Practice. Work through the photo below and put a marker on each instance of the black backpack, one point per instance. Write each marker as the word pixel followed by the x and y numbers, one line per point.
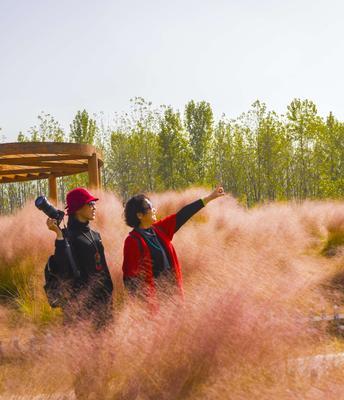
pixel 53 284
pixel 56 286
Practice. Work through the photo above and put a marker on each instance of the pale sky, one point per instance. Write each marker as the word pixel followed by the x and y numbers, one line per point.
pixel 66 55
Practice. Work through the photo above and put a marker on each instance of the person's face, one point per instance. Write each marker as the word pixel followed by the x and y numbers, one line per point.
pixel 148 217
pixel 87 212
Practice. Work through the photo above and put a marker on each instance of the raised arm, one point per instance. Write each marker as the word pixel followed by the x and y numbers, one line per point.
pixel 173 222
pixel 185 213
pixel 60 266
pixel 188 211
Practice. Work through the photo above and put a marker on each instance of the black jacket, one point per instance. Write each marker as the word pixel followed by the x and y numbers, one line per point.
pixel 95 280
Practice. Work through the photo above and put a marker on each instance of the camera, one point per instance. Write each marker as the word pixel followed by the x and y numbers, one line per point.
pixel 43 204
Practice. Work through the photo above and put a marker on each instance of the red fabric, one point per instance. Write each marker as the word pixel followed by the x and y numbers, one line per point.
pixel 77 198
pixel 138 265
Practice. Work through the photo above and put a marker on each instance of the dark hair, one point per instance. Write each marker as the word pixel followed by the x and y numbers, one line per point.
pixel 133 206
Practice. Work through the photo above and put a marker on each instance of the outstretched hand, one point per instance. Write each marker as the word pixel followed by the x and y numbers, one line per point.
pixel 217 192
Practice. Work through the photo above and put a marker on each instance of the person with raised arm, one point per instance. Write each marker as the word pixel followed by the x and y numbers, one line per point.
pixel 150 263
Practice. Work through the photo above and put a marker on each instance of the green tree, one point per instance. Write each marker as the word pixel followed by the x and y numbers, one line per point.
pixel 303 124
pixel 121 163
pixel 174 158
pixel 228 154
pixel 329 156
pixel 47 130
pixel 83 129
pixel 21 137
pixel 136 136
pixel 199 125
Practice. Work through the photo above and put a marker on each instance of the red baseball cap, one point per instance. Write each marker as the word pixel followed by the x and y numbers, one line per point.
pixel 77 198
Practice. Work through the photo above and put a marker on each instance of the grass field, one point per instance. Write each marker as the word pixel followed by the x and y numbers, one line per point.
pixel 252 280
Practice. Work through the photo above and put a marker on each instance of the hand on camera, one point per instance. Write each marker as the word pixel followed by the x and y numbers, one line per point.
pixel 52 225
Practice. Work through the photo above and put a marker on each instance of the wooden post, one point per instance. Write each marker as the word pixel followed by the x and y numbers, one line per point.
pixel 93 176
pixel 52 189
pixel 100 176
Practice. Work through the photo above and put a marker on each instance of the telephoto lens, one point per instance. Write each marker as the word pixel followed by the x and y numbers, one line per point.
pixel 43 204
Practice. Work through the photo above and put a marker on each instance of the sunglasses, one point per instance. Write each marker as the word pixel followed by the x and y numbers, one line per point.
pixel 91 204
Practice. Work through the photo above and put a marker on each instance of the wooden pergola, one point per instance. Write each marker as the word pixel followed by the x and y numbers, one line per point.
pixel 20 162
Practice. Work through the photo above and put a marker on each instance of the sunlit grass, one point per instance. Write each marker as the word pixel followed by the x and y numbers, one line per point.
pixel 14 276
pixel 21 286
pixel 335 236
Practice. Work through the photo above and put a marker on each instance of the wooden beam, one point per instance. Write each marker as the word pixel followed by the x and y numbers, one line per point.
pixel 28 177
pixel 38 163
pixel 57 169
pixel 22 171
pixel 17 178
pixel 75 167
pixel 56 172
pixel 41 175
pixel 5 179
pixel 39 159
pixel 48 148
pixel 53 166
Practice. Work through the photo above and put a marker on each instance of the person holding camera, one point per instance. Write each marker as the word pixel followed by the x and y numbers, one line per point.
pixel 89 295
pixel 150 265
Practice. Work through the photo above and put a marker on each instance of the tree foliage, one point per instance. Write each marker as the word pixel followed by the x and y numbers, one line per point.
pixel 83 129
pixel 259 156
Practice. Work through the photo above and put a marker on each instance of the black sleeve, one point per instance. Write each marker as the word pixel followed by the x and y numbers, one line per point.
pixel 61 259
pixel 109 282
pixel 187 212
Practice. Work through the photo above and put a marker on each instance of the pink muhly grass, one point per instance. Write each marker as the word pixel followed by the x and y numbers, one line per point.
pixel 252 278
